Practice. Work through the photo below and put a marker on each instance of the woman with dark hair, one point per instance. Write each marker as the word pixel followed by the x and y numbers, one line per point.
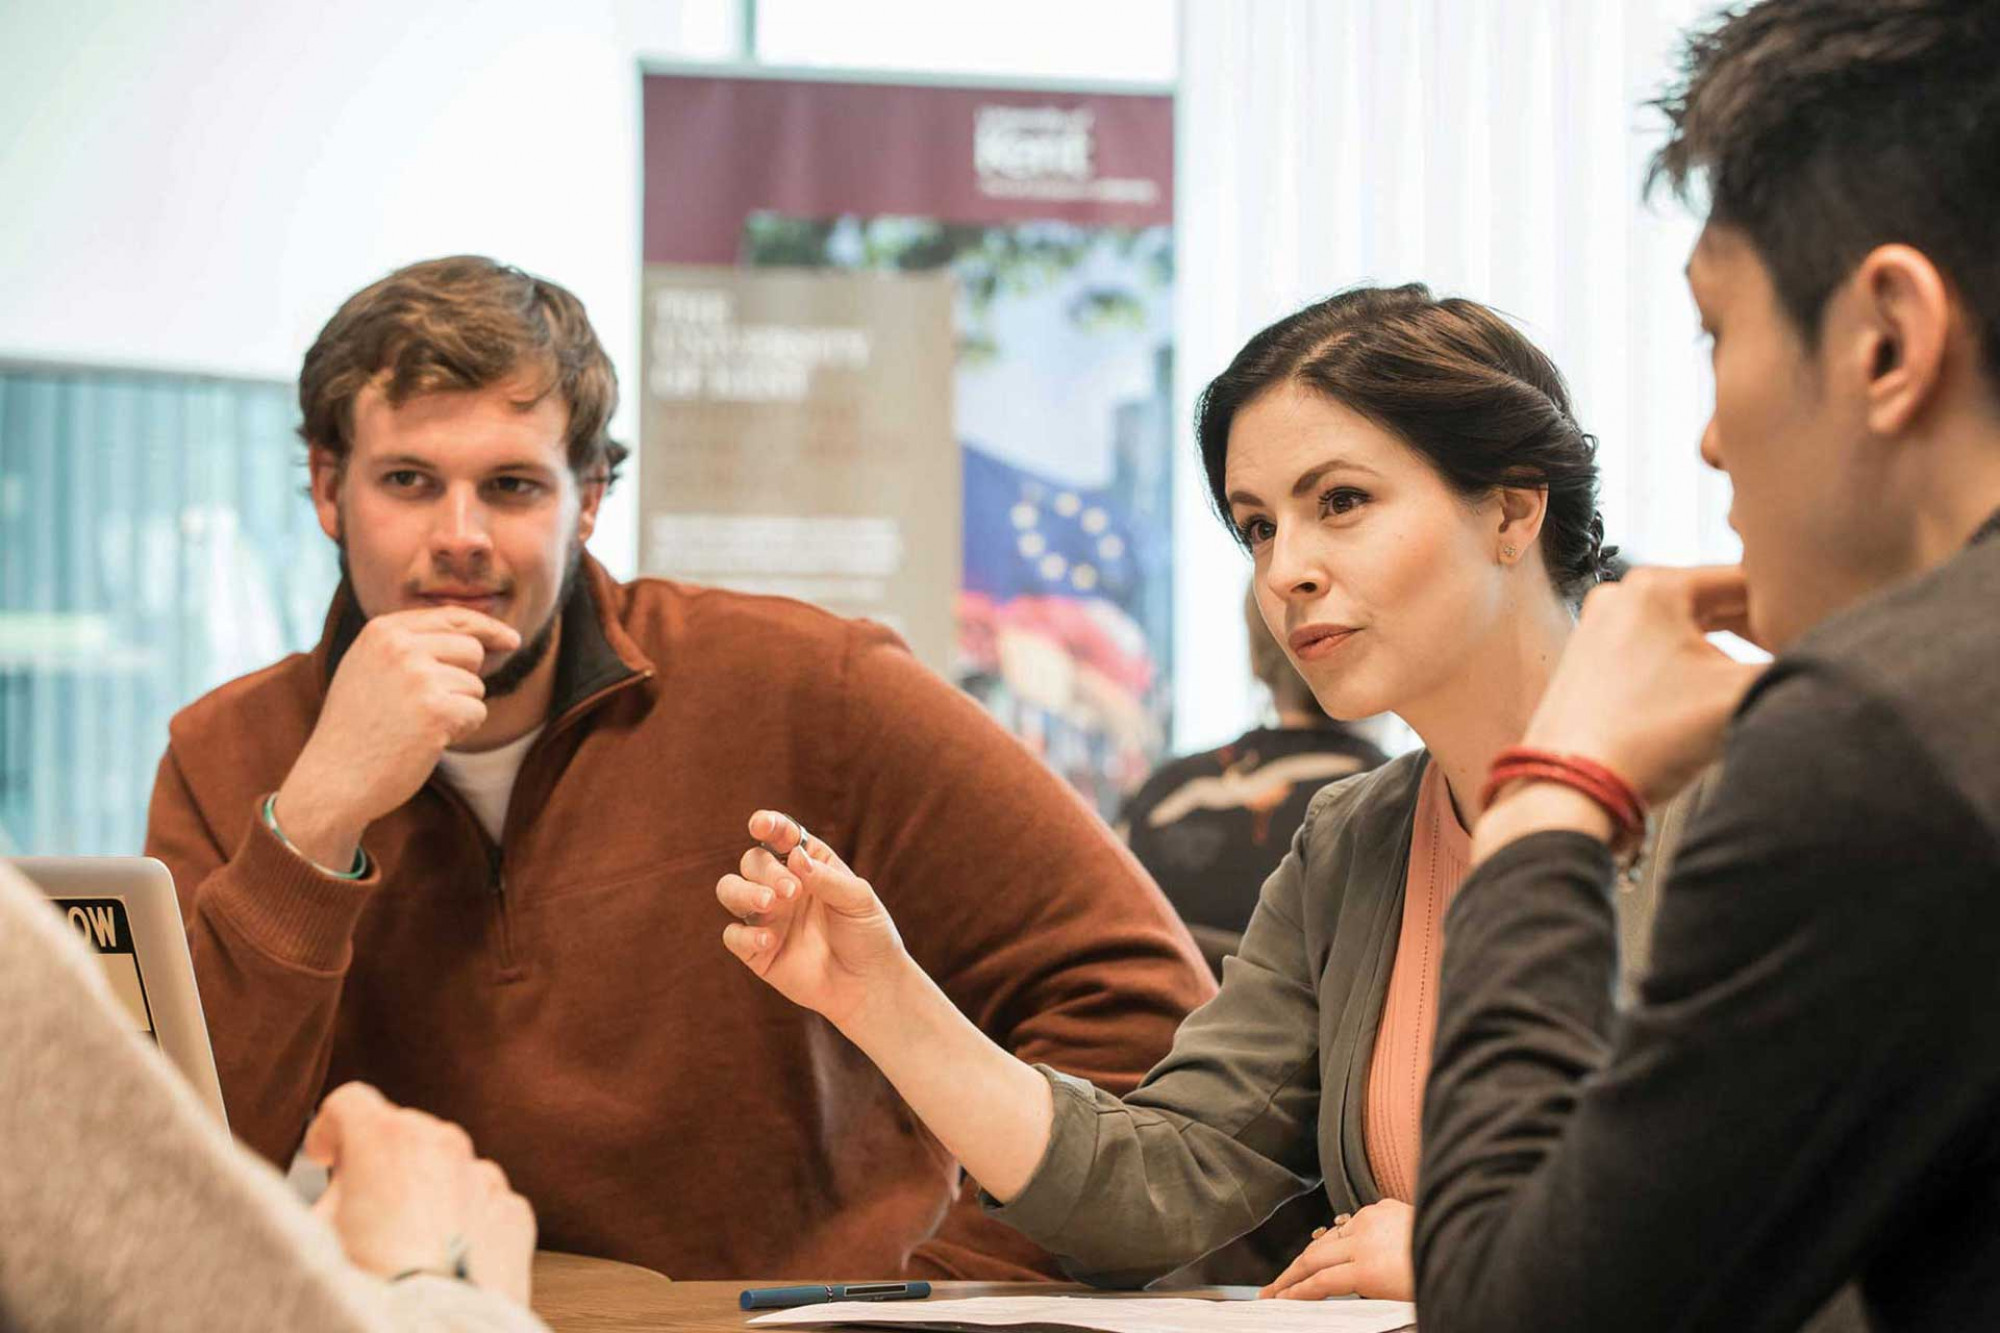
pixel 1419 503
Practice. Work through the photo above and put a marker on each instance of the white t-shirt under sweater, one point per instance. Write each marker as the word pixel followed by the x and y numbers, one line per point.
pixel 485 778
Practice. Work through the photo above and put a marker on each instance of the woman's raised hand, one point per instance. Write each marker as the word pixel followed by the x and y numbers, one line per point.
pixel 807 924
pixel 816 931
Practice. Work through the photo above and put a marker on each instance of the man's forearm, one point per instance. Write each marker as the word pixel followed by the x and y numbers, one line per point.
pixel 316 829
pixel 1524 1008
pixel 271 939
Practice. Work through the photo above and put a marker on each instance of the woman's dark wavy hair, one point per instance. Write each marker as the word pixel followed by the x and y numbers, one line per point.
pixel 1451 379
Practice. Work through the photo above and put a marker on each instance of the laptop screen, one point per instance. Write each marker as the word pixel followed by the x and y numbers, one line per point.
pixel 107 929
pixel 125 910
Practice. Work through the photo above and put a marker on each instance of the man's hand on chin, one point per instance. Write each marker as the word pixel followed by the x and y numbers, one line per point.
pixel 407 690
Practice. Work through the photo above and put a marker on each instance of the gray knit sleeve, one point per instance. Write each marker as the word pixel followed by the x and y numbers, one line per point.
pixel 128 1207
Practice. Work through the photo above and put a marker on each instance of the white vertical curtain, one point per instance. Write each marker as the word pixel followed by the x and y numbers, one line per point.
pixel 1492 148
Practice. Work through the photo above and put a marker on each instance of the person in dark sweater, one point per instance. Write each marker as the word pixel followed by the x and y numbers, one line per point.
pixel 1211 827
pixel 1807 1092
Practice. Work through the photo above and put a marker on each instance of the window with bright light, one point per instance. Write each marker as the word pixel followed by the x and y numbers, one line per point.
pixel 155 541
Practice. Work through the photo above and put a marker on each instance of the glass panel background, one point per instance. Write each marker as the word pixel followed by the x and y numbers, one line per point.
pixel 155 541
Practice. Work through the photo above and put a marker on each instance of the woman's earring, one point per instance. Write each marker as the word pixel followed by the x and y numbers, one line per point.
pixel 1508 553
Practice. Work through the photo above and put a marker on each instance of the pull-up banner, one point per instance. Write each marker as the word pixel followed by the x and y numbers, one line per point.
pixel 908 354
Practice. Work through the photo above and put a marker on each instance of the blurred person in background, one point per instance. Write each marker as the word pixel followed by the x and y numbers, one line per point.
pixel 1211 827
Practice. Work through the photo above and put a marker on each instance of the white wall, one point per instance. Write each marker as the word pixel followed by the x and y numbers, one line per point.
pixel 197 185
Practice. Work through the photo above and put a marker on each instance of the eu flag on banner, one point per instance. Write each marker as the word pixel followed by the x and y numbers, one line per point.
pixel 1029 536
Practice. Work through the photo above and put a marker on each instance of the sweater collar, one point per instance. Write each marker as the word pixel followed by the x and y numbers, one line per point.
pixel 593 654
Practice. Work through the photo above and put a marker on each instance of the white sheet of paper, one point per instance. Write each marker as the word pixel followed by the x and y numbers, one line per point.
pixel 1112 1315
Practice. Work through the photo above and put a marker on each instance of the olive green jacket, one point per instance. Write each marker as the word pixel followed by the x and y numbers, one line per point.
pixel 1261 1097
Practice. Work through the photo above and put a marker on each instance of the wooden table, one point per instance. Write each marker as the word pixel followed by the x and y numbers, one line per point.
pixel 578 1295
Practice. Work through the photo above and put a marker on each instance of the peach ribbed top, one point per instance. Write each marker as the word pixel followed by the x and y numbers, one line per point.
pixel 1439 853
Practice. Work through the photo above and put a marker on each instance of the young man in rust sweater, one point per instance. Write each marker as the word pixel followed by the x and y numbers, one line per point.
pixel 465 849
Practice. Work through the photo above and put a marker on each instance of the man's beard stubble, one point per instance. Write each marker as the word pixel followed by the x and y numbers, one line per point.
pixel 521 664
pixel 514 672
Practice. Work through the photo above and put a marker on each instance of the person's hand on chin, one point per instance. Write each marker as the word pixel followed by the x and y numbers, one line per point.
pixel 1640 690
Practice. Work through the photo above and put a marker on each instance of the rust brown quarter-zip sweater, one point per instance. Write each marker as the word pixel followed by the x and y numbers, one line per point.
pixel 566 996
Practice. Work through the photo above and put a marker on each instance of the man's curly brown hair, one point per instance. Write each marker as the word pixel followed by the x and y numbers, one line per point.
pixel 465 322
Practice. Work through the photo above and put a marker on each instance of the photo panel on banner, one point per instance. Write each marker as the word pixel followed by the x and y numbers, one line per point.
pixel 909 355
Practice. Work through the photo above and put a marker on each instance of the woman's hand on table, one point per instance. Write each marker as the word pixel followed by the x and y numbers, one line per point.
pixel 1363 1254
pixel 807 924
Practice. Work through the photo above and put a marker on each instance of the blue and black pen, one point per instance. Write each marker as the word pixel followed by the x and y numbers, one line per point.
pixel 782 1298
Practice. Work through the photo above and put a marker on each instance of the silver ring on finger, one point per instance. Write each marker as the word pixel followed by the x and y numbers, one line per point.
pixel 803 838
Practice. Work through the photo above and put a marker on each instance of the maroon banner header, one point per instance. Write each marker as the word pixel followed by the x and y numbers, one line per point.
pixel 821 150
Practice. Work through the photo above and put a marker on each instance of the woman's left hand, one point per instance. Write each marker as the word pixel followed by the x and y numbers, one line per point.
pixel 1367 1254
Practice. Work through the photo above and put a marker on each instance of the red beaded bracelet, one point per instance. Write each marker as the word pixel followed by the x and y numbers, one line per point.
pixel 1618 798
